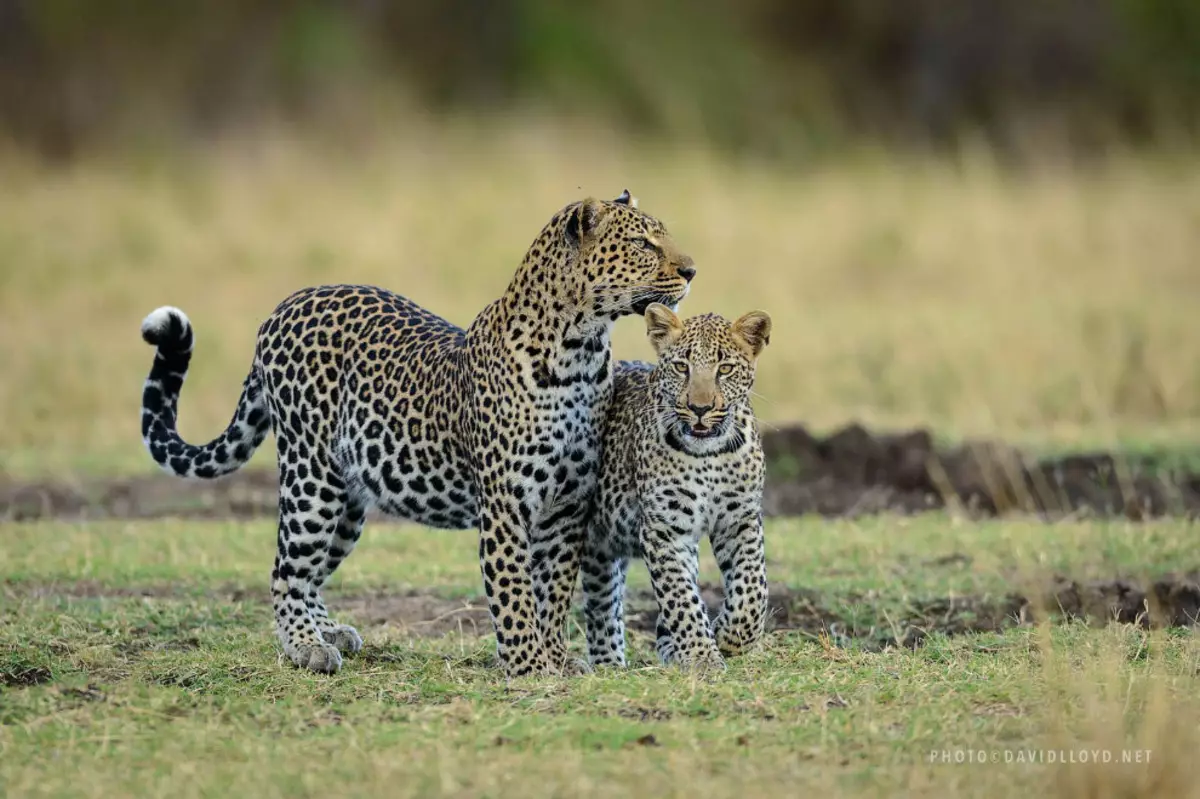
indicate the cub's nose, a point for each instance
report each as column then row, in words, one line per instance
column 699, row 410
column 687, row 272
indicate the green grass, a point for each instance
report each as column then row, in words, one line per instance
column 909, row 555
column 138, row 659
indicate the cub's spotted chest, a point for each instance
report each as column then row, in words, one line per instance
column 375, row 401
column 682, row 459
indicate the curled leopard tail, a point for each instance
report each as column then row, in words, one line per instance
column 169, row 331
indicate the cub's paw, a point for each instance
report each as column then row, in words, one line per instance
column 738, row 641
column 344, row 637
column 569, row 666
column 518, row 671
column 606, row 663
column 575, row 667
column 732, row 643
column 703, row 661
column 322, row 658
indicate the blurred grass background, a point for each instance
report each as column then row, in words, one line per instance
column 766, row 76
column 983, row 217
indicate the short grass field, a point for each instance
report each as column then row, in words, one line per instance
column 1053, row 308
column 137, row 658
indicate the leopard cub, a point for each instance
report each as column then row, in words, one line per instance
column 682, row 459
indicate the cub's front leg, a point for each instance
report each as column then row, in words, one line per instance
column 684, row 633
column 604, row 604
column 741, row 555
column 665, row 645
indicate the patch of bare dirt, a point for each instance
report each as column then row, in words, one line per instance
column 1172, row 600
column 790, row 609
column 25, row 676
column 800, row 610
column 92, row 589
column 417, row 613
column 849, row 473
column 250, row 493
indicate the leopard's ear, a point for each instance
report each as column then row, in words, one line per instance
column 663, row 327
column 584, row 219
column 627, row 199
column 753, row 331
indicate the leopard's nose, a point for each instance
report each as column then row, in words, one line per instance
column 687, row 272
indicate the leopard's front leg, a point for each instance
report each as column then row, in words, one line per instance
column 556, row 553
column 664, row 644
column 741, row 555
column 682, row 618
column 504, row 561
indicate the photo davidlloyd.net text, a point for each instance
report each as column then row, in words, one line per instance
column 1031, row 756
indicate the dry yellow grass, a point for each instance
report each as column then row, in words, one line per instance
column 1056, row 307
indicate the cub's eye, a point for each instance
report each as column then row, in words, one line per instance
column 680, row 366
column 724, row 368
column 648, row 245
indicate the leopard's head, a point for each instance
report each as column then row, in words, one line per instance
column 705, row 368
column 610, row 259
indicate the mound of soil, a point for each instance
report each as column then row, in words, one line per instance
column 854, row 472
column 1170, row 601
column 849, row 473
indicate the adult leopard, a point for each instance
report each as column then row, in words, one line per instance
column 375, row 401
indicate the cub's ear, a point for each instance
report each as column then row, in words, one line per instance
column 754, row 331
column 627, row 199
column 663, row 327
column 583, row 220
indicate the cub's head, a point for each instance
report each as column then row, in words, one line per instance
column 610, row 259
column 705, row 368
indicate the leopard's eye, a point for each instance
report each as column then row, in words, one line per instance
column 648, row 245
column 680, row 366
column 724, row 368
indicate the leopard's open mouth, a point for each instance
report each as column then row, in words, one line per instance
column 701, row 430
column 641, row 305
column 670, row 300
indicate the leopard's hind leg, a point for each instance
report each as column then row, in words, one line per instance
column 312, row 505
column 348, row 531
